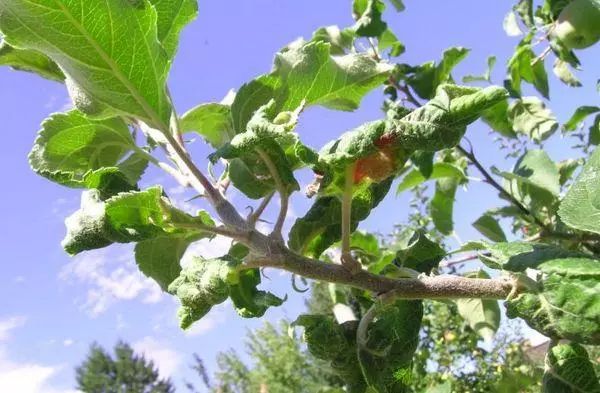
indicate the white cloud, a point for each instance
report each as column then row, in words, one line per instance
column 109, row 284
column 10, row 323
column 68, row 342
column 207, row 248
column 24, row 377
column 165, row 359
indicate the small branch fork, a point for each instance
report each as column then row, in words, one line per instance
column 270, row 251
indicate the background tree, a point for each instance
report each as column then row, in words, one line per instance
column 125, row 372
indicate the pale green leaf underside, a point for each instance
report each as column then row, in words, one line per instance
column 172, row 16
column 109, row 51
column 30, row 61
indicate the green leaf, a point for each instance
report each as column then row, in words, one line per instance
column 594, row 136
column 437, row 125
column 525, row 10
column 212, row 121
column 398, row 5
column 172, row 16
column 159, row 258
column 369, row 23
column 340, row 40
column 391, row 341
column 419, row 253
column 567, row 167
column 519, row 256
column 321, row 225
column 535, row 176
column 335, row 344
column 442, row 205
column 440, row 170
column 425, row 78
column 564, row 302
column 30, row 61
column 581, row 205
column 423, row 160
column 520, row 68
column 205, row 283
column 569, row 370
column 497, row 118
column 511, row 25
column 530, row 117
column 388, row 40
column 489, row 227
column 445, row 387
column 309, row 73
column 118, row 69
column 365, row 244
column 71, row 149
column 482, row 315
column 487, row 76
column 562, row 71
column 126, row 217
column 580, row 114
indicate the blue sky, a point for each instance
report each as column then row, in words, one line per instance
column 53, row 306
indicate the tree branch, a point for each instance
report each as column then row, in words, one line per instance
column 281, row 189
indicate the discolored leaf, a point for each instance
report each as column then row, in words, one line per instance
column 529, row 116
column 562, row 71
column 30, row 61
column 120, row 69
column 580, row 206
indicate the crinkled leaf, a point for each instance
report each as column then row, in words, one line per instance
column 529, row 116
column 120, row 68
column 441, row 206
column 580, row 114
column 311, row 74
column 340, row 40
column 30, row 61
column 369, row 23
column 205, row 283
column 335, row 344
column 562, row 71
column 73, row 150
column 419, row 253
column 440, row 170
column 519, row 256
column 564, row 302
column 391, row 341
column 497, row 118
column 126, row 217
column 159, row 257
column 581, row 206
column 568, row 369
column 212, row 121
column 425, row 79
column 489, row 227
column 437, row 125
column 321, row 225
column 172, row 16
column 482, row 315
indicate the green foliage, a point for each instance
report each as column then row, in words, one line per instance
column 482, row 315
column 568, row 369
column 208, row 282
column 30, row 61
column 126, row 371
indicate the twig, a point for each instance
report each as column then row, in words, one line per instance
column 458, row 261
column 347, row 260
column 237, row 235
column 255, row 215
column 542, row 56
column 491, row 181
column 406, row 90
column 281, row 189
column 374, row 48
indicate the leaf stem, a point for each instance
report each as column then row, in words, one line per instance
column 255, row 216
column 237, row 235
column 281, row 189
column 347, row 260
